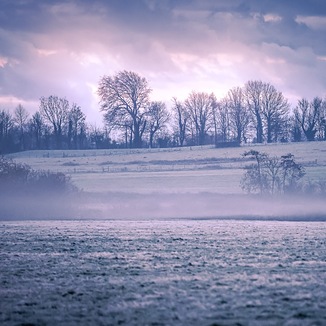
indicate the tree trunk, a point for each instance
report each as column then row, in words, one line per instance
column 259, row 128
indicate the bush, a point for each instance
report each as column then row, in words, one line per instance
column 17, row 178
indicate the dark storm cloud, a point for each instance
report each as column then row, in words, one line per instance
column 64, row 47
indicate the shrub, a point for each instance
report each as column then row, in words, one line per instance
column 17, row 178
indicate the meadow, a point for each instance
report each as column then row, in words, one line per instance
column 173, row 170
column 164, row 237
column 189, row 182
column 180, row 272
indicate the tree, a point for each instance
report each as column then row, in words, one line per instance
column 6, row 132
column 37, row 128
column 223, row 120
column 124, row 98
column 291, row 173
column 215, row 109
column 273, row 166
column 55, row 111
column 20, row 118
column 199, row 107
column 321, row 126
column 307, row 115
column 296, row 129
column 253, row 92
column 275, row 109
column 99, row 137
column 180, row 117
column 157, row 118
column 269, row 110
column 255, row 178
column 270, row 175
column 76, row 127
column 238, row 113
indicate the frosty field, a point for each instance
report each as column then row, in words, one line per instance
column 163, row 237
column 188, row 169
column 168, row 183
column 162, row 272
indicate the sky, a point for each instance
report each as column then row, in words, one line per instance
column 63, row 48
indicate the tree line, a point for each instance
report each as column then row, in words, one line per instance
column 256, row 112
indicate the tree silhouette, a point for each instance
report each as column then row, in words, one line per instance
column 55, row 111
column 124, row 99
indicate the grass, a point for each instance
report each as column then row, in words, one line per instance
column 188, row 169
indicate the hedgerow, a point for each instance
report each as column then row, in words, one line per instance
column 18, row 178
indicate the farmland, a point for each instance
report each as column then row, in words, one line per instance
column 188, row 182
column 165, row 235
column 175, row 170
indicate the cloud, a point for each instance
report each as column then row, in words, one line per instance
column 272, row 18
column 63, row 48
column 313, row 22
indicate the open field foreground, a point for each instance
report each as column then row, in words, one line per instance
column 181, row 272
column 163, row 237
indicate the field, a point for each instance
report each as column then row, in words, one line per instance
column 180, row 272
column 178, row 182
column 164, row 237
column 186, row 170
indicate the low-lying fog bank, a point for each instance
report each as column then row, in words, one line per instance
column 162, row 206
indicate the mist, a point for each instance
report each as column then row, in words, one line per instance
column 136, row 206
column 200, row 206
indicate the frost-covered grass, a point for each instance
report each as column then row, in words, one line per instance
column 223, row 181
column 177, row 243
column 189, row 169
column 182, row 272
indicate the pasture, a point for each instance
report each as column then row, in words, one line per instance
column 173, row 170
column 164, row 237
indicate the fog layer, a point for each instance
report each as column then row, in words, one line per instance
column 155, row 206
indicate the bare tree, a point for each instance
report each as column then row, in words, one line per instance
column 269, row 110
column 321, row 128
column 291, row 173
column 253, row 91
column 55, row 111
column 239, row 115
column 296, row 130
column 6, row 130
column 157, row 118
column 180, row 117
column 271, row 175
column 215, row 108
column 199, row 106
column 223, row 120
column 124, row 98
column 307, row 115
column 76, row 126
column 37, row 127
column 275, row 109
column 255, row 178
column 20, row 119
